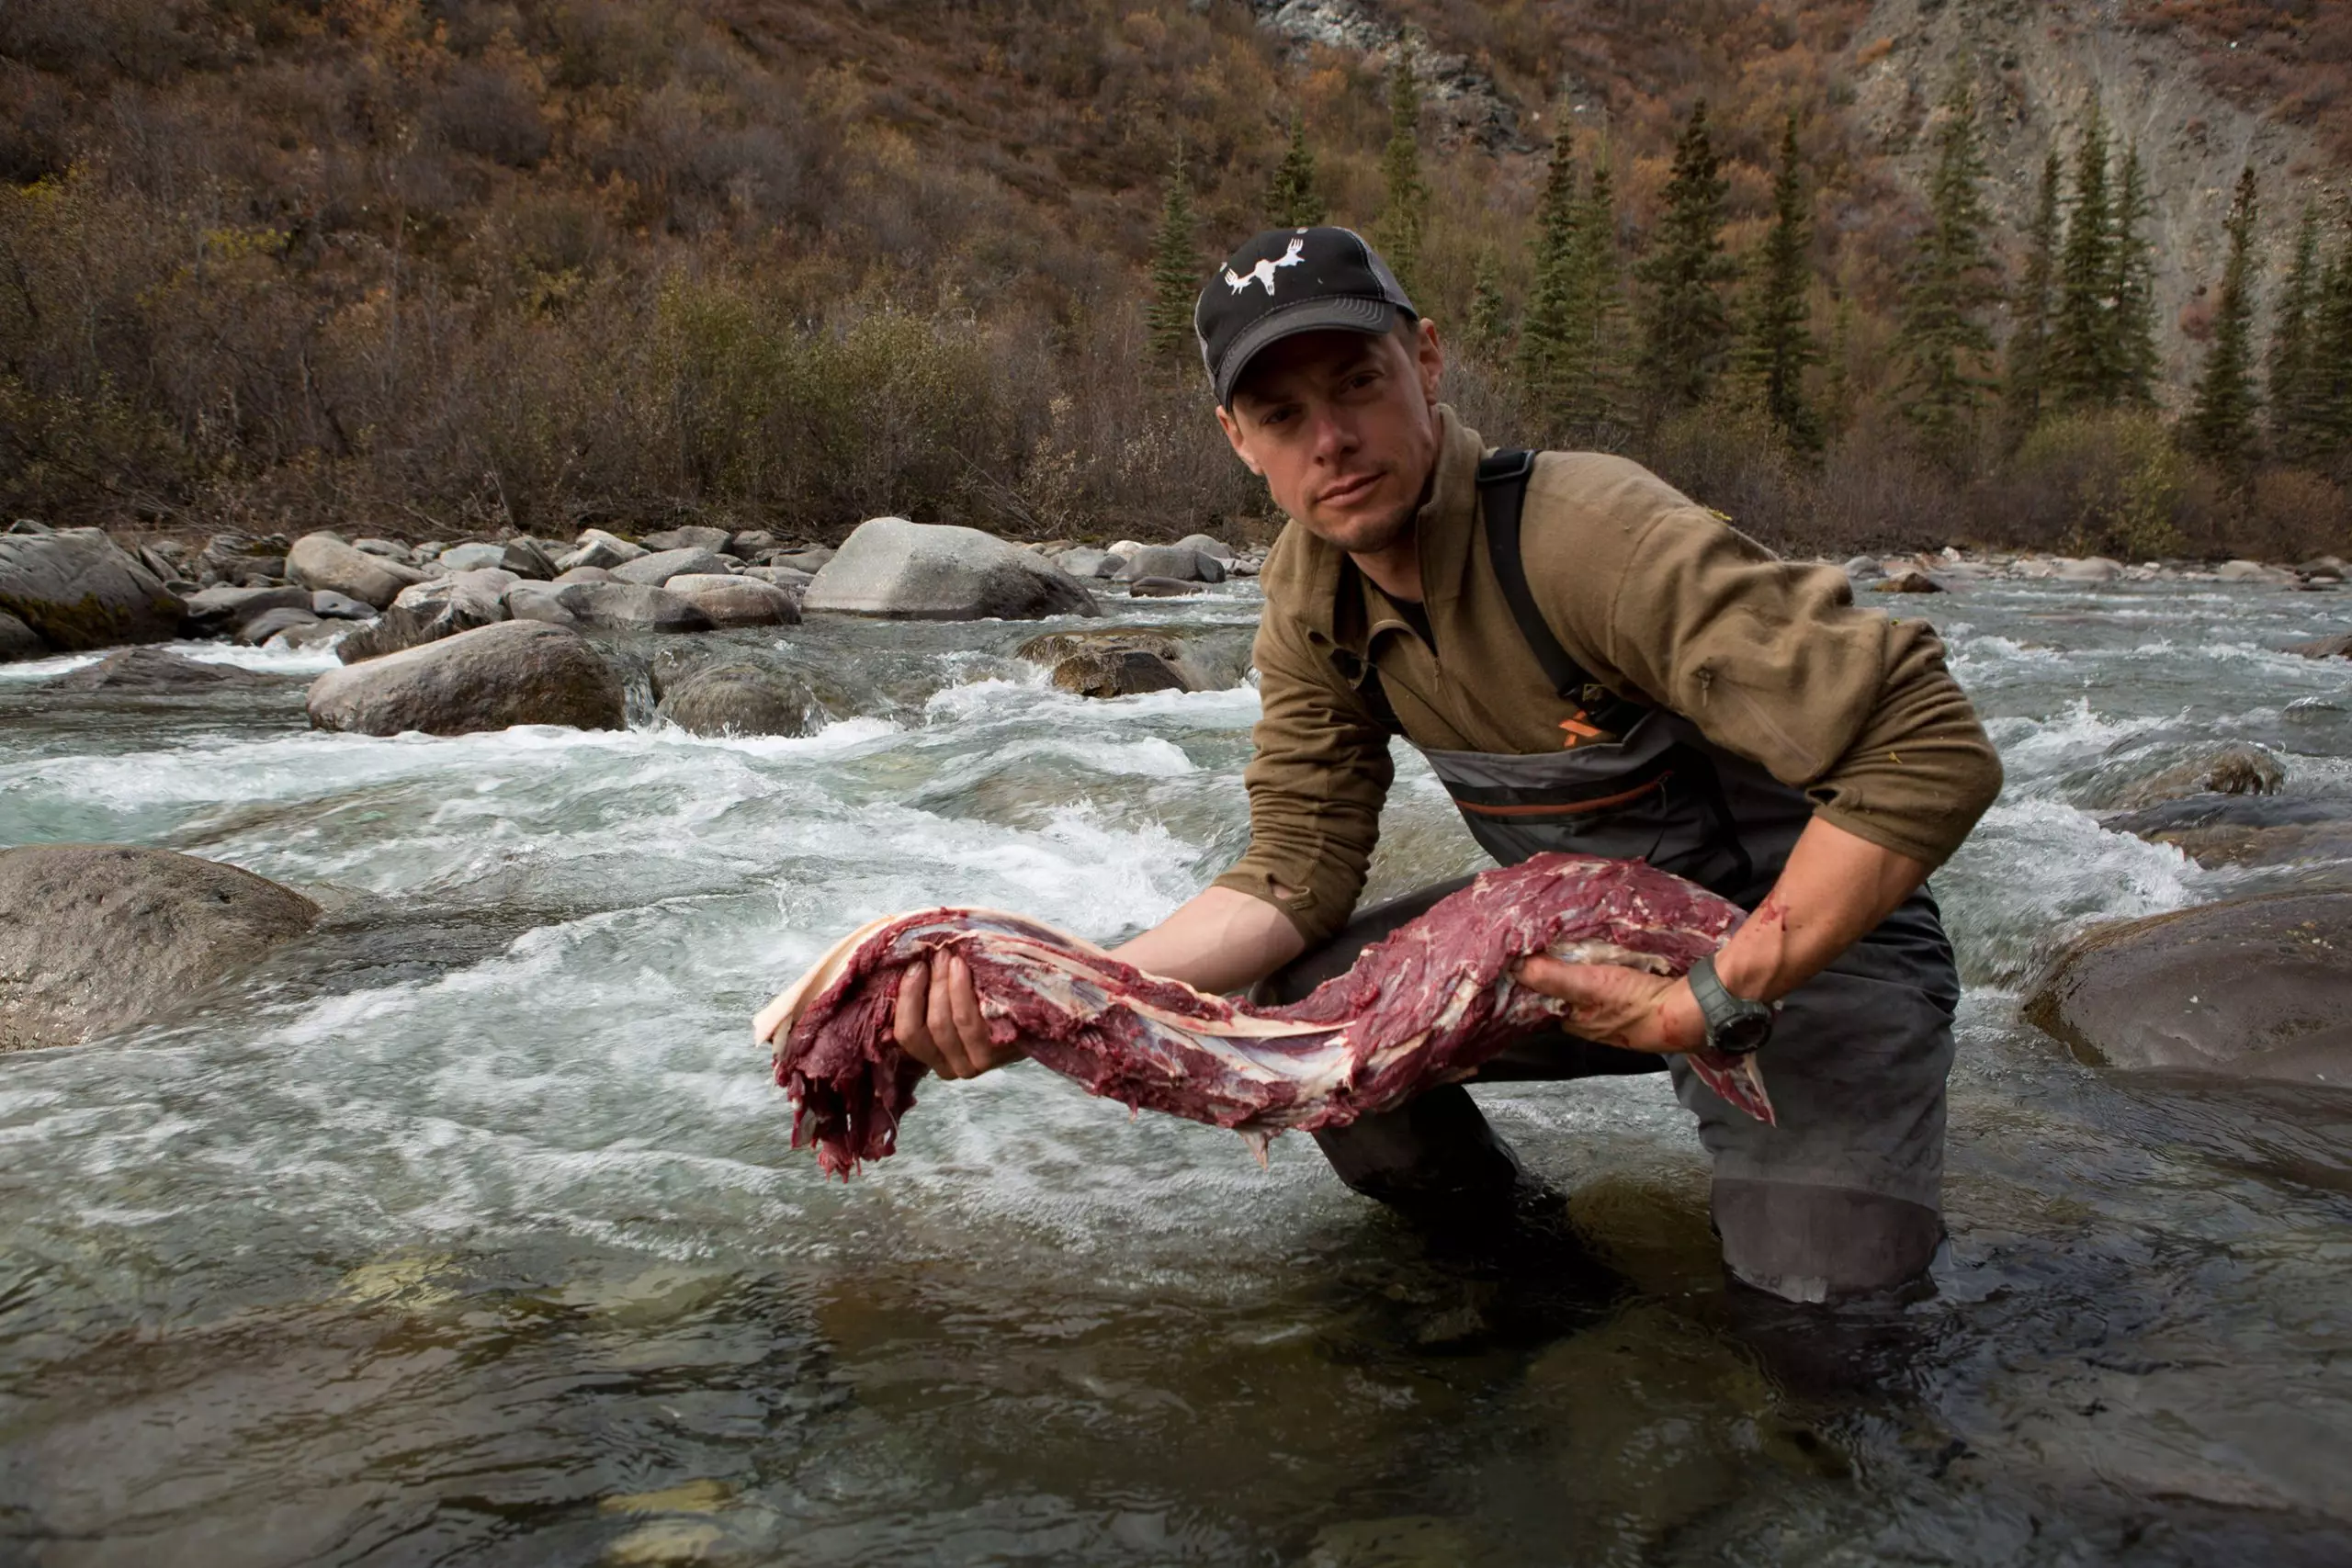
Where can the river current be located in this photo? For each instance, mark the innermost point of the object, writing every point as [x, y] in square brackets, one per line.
[468, 1229]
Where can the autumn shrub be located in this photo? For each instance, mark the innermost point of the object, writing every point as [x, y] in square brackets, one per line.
[2107, 482]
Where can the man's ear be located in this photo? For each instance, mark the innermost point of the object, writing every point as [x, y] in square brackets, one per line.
[1232, 428]
[1429, 358]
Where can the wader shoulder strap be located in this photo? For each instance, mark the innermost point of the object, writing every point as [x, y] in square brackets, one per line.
[1502, 495]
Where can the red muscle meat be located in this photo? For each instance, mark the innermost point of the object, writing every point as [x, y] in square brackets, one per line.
[1423, 1007]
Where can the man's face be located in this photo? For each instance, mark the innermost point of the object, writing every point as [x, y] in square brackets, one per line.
[1343, 427]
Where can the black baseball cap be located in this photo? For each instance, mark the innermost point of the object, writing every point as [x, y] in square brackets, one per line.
[1287, 281]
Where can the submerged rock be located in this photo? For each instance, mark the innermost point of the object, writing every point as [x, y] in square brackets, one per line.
[2245, 829]
[731, 601]
[1910, 580]
[2338, 647]
[514, 672]
[325, 560]
[2236, 767]
[2255, 988]
[604, 606]
[741, 699]
[890, 566]
[1161, 588]
[76, 589]
[157, 671]
[95, 938]
[1116, 661]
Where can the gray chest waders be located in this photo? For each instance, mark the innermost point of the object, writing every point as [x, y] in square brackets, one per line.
[1844, 1195]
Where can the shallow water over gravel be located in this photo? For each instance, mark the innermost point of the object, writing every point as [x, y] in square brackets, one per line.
[468, 1229]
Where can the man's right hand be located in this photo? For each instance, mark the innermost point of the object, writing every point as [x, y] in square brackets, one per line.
[938, 1020]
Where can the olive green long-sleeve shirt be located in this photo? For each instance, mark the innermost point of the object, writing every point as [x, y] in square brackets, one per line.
[1660, 599]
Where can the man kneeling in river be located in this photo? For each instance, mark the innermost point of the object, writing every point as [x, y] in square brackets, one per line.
[1589, 661]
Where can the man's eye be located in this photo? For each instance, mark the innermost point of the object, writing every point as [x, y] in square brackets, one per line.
[1278, 416]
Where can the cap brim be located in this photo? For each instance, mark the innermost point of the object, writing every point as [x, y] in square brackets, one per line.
[1350, 313]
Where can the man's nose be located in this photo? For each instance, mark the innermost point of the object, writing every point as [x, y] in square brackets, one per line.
[1335, 434]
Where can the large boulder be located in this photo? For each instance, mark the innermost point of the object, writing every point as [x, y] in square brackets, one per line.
[1216, 549]
[76, 589]
[156, 671]
[233, 557]
[2255, 988]
[731, 601]
[1115, 661]
[427, 612]
[514, 672]
[19, 641]
[97, 937]
[2245, 829]
[659, 568]
[596, 548]
[693, 537]
[326, 561]
[740, 699]
[526, 556]
[2252, 571]
[605, 607]
[939, 573]
[2089, 569]
[1181, 562]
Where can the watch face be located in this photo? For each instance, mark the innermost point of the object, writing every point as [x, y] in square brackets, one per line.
[1741, 1036]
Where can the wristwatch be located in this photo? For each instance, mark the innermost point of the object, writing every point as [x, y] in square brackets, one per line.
[1735, 1026]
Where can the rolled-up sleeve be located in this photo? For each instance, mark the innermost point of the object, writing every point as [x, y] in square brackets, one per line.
[1316, 785]
[1774, 661]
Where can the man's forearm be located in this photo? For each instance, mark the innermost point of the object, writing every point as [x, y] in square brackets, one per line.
[1221, 940]
[1836, 888]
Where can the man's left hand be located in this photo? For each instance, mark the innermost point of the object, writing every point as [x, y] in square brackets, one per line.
[1616, 1006]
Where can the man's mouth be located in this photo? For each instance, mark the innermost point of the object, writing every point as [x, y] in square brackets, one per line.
[1348, 490]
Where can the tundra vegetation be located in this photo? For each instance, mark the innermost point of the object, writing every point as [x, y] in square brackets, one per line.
[441, 267]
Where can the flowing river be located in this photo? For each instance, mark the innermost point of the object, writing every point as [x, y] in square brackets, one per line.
[468, 1229]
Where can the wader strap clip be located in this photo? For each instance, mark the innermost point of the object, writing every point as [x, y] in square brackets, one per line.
[1502, 495]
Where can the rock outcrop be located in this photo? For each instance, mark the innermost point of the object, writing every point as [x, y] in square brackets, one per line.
[2254, 988]
[99, 938]
[328, 561]
[156, 672]
[514, 672]
[890, 566]
[75, 589]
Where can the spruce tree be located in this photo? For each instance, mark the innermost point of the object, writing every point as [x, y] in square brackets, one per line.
[1596, 368]
[1686, 332]
[1175, 273]
[2027, 365]
[1545, 331]
[2220, 420]
[1780, 333]
[1292, 201]
[1405, 209]
[2076, 372]
[2293, 408]
[2132, 294]
[1488, 325]
[2331, 387]
[1943, 340]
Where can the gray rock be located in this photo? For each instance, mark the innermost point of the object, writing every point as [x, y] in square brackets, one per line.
[741, 699]
[1214, 548]
[2090, 569]
[526, 556]
[390, 549]
[1910, 580]
[693, 537]
[427, 612]
[326, 603]
[323, 561]
[76, 589]
[731, 601]
[1082, 561]
[1115, 662]
[2254, 988]
[30, 526]
[19, 641]
[231, 557]
[152, 670]
[604, 606]
[890, 566]
[585, 574]
[1161, 588]
[789, 577]
[2322, 568]
[1182, 562]
[655, 569]
[315, 634]
[812, 560]
[751, 544]
[269, 623]
[2251, 571]
[2235, 767]
[1865, 568]
[223, 609]
[2336, 647]
[1246, 566]
[486, 679]
[596, 548]
[99, 938]
[2245, 829]
[473, 557]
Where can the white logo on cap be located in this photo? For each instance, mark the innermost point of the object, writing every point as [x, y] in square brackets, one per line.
[1264, 271]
